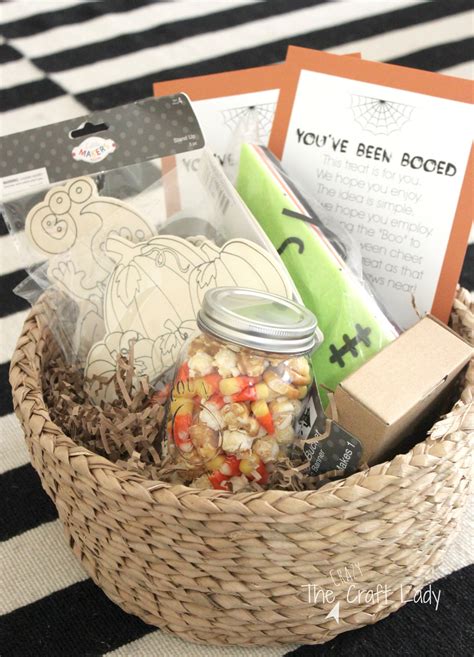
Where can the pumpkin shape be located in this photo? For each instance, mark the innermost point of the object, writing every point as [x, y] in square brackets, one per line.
[150, 285]
[102, 362]
[150, 358]
[238, 263]
[166, 347]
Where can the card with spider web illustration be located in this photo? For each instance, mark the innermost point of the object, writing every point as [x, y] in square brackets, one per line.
[257, 117]
[379, 116]
[388, 150]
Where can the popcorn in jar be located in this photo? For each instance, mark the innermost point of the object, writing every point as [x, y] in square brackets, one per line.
[241, 384]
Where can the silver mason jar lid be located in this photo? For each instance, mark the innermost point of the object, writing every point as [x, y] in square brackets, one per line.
[259, 320]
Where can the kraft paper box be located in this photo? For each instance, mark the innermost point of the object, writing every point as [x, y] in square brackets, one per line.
[384, 401]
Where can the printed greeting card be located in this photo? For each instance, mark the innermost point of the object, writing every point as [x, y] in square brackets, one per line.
[387, 150]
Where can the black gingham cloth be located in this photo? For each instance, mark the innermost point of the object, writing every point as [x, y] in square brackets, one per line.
[61, 58]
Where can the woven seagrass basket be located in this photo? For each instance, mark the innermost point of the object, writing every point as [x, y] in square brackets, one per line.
[237, 569]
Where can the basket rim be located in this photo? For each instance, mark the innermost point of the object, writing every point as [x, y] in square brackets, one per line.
[148, 486]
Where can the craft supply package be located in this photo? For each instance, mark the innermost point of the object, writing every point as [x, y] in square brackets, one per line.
[124, 247]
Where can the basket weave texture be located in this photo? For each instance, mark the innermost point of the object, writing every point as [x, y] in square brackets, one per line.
[236, 569]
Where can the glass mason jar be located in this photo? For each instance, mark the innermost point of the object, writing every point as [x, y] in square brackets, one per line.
[240, 387]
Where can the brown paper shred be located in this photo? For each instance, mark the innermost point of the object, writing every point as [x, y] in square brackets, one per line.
[301, 442]
[415, 307]
[332, 405]
[290, 475]
[103, 436]
[123, 389]
[129, 431]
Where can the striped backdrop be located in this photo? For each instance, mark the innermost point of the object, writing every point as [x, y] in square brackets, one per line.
[60, 59]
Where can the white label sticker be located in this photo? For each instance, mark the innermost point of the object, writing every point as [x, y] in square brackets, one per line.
[307, 419]
[21, 183]
[94, 149]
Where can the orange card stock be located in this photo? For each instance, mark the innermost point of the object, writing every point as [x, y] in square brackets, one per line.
[388, 151]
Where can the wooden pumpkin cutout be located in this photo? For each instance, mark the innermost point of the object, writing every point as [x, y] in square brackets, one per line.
[157, 286]
[150, 284]
[238, 263]
[102, 362]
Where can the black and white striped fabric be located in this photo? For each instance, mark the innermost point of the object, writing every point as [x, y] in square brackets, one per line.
[60, 59]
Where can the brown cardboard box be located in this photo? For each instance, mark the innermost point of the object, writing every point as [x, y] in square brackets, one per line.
[382, 401]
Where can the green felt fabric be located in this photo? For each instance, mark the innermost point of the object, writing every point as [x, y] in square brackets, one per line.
[353, 325]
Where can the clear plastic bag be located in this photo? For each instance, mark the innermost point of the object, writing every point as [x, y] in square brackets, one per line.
[126, 253]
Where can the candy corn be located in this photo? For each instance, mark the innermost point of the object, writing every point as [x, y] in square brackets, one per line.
[236, 384]
[216, 400]
[211, 384]
[262, 413]
[218, 480]
[230, 467]
[223, 468]
[216, 463]
[205, 386]
[253, 393]
[249, 464]
[182, 420]
[183, 372]
[226, 465]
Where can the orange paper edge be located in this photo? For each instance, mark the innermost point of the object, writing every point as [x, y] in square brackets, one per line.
[230, 83]
[216, 85]
[397, 77]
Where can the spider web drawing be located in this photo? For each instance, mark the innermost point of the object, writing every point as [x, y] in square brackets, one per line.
[261, 115]
[381, 117]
